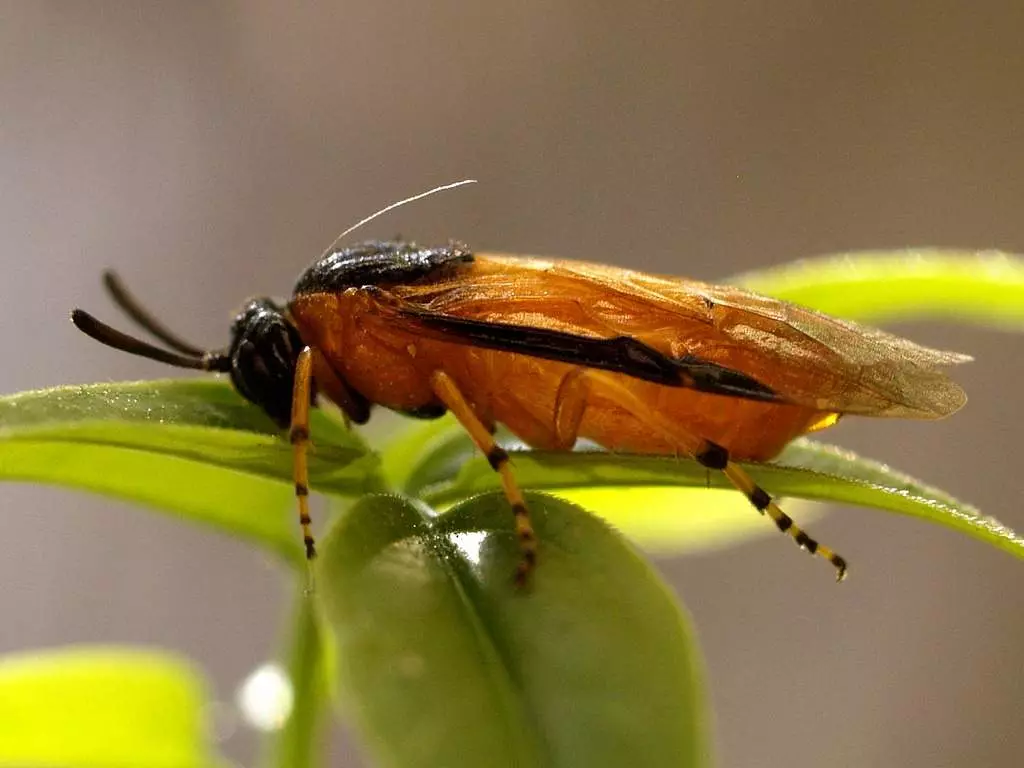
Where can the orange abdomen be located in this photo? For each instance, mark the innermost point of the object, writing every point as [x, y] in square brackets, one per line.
[390, 364]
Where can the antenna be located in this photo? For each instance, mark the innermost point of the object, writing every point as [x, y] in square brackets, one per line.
[112, 337]
[131, 307]
[399, 204]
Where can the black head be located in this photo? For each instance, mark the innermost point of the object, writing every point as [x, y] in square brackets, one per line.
[264, 349]
[261, 357]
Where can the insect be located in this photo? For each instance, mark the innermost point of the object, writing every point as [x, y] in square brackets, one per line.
[555, 351]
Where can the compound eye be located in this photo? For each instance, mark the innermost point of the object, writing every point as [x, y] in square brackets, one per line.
[264, 352]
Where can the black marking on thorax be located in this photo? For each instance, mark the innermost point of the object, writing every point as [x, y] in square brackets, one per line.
[381, 263]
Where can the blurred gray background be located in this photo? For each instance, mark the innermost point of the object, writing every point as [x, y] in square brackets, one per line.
[210, 151]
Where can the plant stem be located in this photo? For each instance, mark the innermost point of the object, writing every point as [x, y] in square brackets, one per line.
[295, 745]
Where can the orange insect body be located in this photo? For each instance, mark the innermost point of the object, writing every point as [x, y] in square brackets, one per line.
[556, 351]
[389, 357]
[391, 365]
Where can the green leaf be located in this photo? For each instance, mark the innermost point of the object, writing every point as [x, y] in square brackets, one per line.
[985, 287]
[444, 662]
[437, 441]
[194, 448]
[426, 458]
[657, 519]
[103, 707]
[806, 470]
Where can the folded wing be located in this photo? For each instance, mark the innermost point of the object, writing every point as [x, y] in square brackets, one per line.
[732, 341]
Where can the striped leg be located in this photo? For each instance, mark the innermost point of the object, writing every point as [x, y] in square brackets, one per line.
[448, 392]
[298, 436]
[716, 457]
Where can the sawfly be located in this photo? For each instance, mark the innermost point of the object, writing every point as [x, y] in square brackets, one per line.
[555, 351]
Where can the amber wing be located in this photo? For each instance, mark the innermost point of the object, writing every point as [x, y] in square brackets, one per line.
[764, 345]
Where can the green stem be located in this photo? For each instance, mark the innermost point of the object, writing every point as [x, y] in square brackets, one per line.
[295, 745]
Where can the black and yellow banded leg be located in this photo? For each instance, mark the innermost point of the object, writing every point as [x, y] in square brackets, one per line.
[298, 436]
[716, 457]
[448, 392]
[710, 455]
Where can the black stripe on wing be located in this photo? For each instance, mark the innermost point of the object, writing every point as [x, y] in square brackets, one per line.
[622, 354]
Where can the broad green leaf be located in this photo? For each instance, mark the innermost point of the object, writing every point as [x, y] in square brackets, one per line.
[103, 708]
[443, 661]
[984, 287]
[194, 448]
[806, 470]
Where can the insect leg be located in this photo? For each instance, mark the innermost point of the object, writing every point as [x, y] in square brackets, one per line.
[298, 436]
[570, 403]
[448, 392]
[715, 456]
[354, 407]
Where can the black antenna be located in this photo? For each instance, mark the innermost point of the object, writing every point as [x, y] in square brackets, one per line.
[103, 333]
[131, 307]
